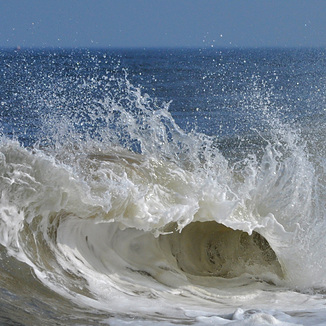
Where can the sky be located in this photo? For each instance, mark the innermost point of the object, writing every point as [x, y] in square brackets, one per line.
[162, 23]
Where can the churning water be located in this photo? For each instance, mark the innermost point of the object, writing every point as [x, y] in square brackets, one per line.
[175, 186]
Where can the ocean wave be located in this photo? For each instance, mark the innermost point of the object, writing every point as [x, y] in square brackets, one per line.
[141, 209]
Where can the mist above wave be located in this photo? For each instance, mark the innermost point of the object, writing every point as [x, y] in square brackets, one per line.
[115, 200]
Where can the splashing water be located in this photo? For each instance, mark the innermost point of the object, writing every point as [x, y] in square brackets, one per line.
[117, 209]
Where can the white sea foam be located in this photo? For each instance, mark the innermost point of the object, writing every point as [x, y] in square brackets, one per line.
[156, 224]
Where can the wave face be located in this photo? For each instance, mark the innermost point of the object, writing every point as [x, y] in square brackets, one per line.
[117, 206]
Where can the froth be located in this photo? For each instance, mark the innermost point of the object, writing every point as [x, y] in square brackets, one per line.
[117, 201]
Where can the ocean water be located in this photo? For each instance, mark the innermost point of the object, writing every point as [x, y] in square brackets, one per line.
[175, 186]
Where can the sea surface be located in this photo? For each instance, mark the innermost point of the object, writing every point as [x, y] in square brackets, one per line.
[175, 186]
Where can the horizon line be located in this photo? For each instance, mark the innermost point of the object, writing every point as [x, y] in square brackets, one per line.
[119, 48]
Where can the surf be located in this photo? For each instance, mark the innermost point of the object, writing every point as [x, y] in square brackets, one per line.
[116, 202]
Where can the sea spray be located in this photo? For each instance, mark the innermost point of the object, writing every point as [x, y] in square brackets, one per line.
[117, 208]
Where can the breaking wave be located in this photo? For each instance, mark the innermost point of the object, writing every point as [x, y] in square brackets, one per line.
[115, 201]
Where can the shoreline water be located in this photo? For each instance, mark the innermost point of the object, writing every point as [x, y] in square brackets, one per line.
[177, 186]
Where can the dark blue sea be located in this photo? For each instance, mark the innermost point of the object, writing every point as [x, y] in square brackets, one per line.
[175, 186]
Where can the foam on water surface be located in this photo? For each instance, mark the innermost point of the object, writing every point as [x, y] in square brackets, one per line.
[122, 213]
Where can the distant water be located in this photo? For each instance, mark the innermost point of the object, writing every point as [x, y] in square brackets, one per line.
[171, 186]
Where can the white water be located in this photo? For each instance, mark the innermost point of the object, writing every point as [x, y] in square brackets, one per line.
[174, 232]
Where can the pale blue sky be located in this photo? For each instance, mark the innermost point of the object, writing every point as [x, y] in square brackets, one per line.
[162, 23]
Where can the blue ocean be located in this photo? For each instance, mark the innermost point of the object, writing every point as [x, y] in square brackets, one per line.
[166, 186]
